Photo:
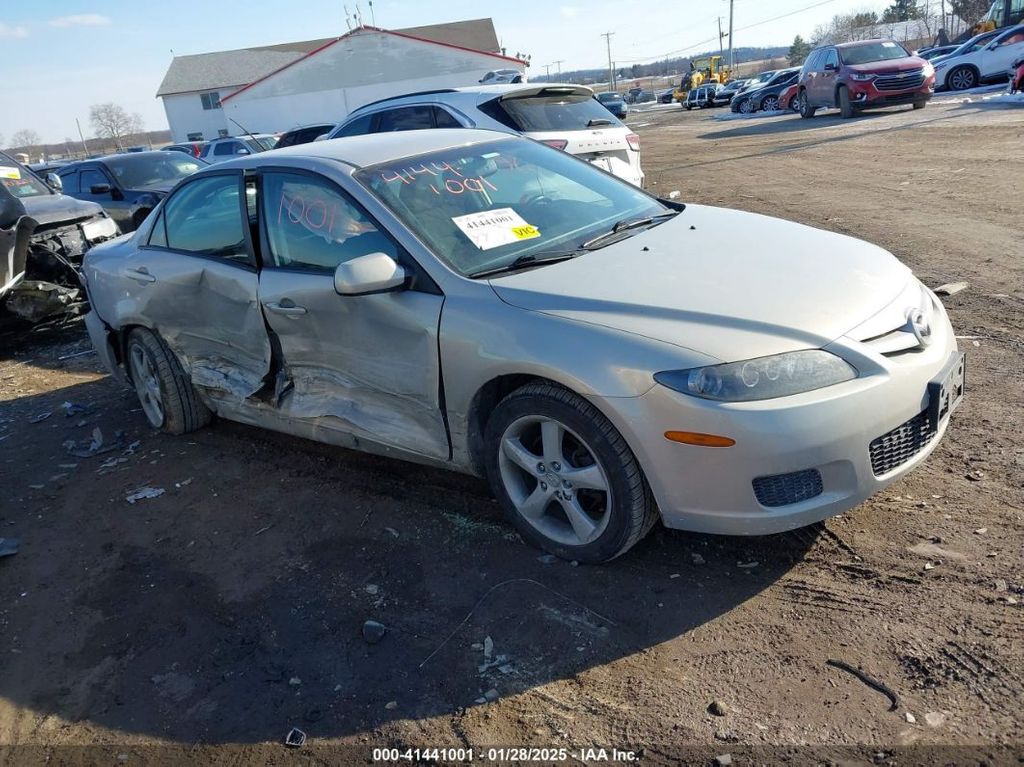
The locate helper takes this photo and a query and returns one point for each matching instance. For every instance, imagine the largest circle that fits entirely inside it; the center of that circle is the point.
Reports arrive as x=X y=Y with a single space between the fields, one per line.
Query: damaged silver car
x=43 y=237
x=496 y=306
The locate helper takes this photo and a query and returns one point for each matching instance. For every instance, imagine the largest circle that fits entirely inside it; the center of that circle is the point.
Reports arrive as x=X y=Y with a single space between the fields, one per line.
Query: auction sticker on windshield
x=6 y=172
x=494 y=228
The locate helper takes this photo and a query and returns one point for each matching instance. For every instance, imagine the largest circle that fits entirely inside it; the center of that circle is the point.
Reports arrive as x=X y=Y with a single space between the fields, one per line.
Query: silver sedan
x=492 y=305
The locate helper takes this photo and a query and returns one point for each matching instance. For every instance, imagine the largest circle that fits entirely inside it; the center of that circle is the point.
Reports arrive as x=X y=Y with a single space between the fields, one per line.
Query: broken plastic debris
x=145 y=492
x=295 y=738
x=488 y=647
x=40 y=417
x=73 y=409
x=9 y=546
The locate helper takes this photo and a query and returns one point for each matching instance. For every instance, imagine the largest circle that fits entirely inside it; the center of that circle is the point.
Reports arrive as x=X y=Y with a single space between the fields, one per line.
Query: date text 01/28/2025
x=504 y=754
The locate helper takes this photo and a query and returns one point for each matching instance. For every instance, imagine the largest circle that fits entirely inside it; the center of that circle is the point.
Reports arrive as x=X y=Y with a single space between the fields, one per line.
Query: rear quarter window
x=549 y=112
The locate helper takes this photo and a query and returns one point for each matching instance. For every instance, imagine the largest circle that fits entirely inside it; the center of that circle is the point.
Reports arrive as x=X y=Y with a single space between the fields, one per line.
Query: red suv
x=864 y=74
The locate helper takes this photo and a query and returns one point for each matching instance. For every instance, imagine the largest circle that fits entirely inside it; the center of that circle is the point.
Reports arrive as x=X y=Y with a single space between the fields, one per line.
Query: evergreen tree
x=798 y=51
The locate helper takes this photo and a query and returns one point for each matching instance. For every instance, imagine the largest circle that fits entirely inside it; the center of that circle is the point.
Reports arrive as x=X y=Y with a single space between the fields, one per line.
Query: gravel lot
x=213 y=618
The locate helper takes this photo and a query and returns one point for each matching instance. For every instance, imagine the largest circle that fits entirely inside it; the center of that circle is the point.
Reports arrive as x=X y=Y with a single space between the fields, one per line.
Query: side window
x=1014 y=39
x=70 y=182
x=225 y=148
x=358 y=127
x=158 y=237
x=406 y=118
x=444 y=119
x=205 y=217
x=832 y=58
x=205 y=151
x=91 y=177
x=312 y=225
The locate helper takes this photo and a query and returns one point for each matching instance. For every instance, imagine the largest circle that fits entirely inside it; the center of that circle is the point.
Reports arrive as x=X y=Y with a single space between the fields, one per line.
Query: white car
x=980 y=60
x=498 y=76
x=230 y=147
x=567 y=117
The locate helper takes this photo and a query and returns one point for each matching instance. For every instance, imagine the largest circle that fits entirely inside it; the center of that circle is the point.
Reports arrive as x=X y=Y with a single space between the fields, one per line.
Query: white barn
x=275 y=88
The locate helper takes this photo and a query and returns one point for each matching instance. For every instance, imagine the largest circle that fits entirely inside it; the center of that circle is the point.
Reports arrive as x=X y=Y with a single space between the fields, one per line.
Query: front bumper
x=865 y=95
x=711 y=490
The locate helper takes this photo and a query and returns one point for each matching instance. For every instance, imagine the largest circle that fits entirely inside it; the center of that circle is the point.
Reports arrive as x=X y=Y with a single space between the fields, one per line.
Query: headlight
x=99 y=229
x=928 y=70
x=862 y=78
x=763 y=378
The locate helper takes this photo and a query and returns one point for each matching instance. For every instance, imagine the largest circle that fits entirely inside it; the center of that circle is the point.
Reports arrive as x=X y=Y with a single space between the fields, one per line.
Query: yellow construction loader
x=702 y=71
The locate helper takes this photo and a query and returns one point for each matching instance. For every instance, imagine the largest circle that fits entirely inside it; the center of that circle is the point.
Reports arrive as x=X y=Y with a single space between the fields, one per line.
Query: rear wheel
x=843 y=99
x=565 y=477
x=962 y=78
x=806 y=110
x=167 y=396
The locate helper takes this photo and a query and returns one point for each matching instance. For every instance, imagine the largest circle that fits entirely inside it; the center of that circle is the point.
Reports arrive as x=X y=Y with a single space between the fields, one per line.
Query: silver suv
x=567 y=117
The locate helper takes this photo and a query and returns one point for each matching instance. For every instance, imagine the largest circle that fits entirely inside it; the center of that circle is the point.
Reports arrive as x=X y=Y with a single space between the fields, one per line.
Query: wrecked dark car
x=43 y=237
x=128 y=185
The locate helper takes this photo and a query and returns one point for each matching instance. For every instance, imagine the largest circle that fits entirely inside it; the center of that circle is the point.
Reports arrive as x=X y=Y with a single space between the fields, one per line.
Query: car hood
x=724 y=283
x=892 y=65
x=52 y=209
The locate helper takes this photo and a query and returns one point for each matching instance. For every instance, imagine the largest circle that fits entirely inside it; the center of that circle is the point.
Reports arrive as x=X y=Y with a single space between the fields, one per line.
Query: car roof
x=474 y=94
x=373 y=148
x=855 y=43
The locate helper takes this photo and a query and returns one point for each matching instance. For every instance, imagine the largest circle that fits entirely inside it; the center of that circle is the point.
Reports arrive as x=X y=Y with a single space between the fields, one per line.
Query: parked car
x=932 y=53
x=788 y=98
x=614 y=103
x=765 y=96
x=221 y=149
x=666 y=96
x=43 y=236
x=563 y=116
x=980 y=61
x=725 y=94
x=863 y=75
x=499 y=76
x=50 y=166
x=639 y=96
x=700 y=97
x=128 y=185
x=485 y=303
x=303 y=135
x=194 y=148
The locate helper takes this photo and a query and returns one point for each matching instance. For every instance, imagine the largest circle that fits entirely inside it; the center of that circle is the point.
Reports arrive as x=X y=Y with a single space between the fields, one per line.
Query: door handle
x=287 y=309
x=139 y=275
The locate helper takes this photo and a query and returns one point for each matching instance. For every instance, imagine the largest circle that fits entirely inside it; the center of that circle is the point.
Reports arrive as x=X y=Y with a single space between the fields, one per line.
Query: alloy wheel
x=961 y=79
x=554 y=480
x=147 y=385
x=770 y=104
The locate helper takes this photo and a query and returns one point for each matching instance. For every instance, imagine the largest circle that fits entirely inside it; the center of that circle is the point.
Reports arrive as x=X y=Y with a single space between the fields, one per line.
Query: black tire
x=633 y=510
x=846 y=110
x=962 y=78
x=183 y=411
x=920 y=104
x=806 y=110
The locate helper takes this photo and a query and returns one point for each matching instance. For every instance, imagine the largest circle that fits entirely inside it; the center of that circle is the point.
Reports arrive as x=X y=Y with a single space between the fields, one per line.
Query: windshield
x=974 y=44
x=19 y=180
x=867 y=53
x=604 y=98
x=484 y=206
x=152 y=169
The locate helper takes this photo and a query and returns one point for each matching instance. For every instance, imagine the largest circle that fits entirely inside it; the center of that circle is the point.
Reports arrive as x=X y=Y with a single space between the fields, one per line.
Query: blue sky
x=60 y=56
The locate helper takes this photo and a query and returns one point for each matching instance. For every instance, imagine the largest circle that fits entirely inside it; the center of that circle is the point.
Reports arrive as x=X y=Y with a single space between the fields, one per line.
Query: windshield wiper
x=598 y=121
x=527 y=262
x=625 y=225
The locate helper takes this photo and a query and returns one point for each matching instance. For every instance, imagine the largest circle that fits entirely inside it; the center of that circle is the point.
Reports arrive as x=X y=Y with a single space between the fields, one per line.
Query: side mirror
x=53 y=181
x=830 y=67
x=372 y=273
x=242 y=151
x=99 y=189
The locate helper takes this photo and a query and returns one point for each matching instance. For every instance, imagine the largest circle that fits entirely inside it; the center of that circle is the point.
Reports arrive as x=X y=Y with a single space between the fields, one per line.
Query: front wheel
x=962 y=79
x=564 y=475
x=770 y=104
x=747 y=107
x=845 y=107
x=166 y=394
x=920 y=104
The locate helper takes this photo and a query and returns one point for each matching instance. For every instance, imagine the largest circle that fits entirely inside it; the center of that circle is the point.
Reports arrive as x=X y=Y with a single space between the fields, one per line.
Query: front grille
x=900 y=81
x=898 y=446
x=785 y=489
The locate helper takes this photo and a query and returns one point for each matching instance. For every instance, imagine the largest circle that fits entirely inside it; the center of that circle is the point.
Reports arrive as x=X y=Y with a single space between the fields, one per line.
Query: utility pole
x=611 y=72
x=547 y=70
x=85 y=147
x=732 y=62
x=721 y=36
x=559 y=65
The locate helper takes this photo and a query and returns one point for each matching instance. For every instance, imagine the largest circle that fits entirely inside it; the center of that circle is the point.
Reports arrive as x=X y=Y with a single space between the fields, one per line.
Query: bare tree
x=111 y=121
x=25 y=139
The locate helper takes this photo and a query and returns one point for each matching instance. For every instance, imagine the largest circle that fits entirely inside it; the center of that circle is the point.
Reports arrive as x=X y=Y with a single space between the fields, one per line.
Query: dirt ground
x=208 y=621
